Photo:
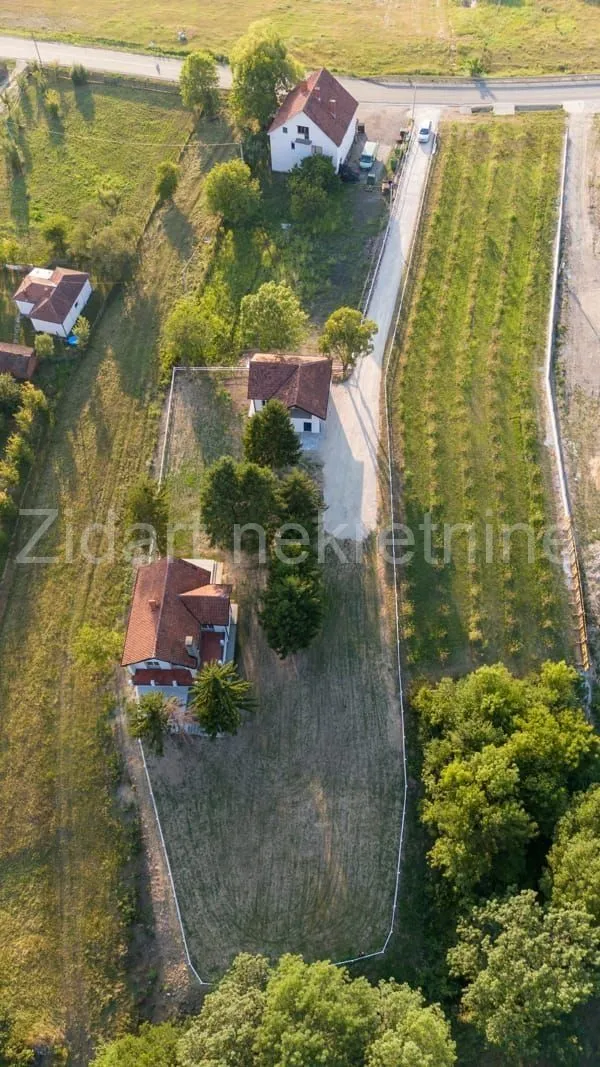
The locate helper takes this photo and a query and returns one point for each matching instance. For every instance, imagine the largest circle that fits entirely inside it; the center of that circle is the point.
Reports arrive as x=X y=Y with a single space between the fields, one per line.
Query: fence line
x=186 y=950
x=552 y=412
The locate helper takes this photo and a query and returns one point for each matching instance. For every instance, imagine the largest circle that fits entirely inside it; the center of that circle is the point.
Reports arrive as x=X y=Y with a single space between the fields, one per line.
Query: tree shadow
x=179 y=230
x=19 y=201
x=85 y=103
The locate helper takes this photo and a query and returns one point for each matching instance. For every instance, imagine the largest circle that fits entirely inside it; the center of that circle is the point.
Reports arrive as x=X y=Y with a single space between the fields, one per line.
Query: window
x=293 y=146
x=153 y=663
x=285 y=129
x=303 y=132
x=307 y=427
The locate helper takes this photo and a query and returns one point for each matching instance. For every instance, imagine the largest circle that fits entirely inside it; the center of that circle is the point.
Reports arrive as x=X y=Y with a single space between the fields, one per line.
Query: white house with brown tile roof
x=317 y=117
x=180 y=619
x=302 y=383
x=53 y=299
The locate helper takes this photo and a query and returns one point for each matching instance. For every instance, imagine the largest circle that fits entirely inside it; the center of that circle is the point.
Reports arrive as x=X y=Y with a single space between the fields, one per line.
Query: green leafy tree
x=573 y=876
x=44 y=345
x=199 y=83
x=219 y=698
x=147 y=505
x=525 y=970
x=10 y=395
x=13 y=1053
x=91 y=220
x=225 y=1031
x=55 y=230
x=113 y=249
x=167 y=177
x=272 y=320
x=152 y=1046
x=149 y=720
x=292 y=605
x=314 y=193
x=235 y=494
x=193 y=335
x=412 y=1033
x=270 y=439
x=299 y=501
x=79 y=74
x=96 y=648
x=263 y=73
x=82 y=330
x=233 y=193
x=347 y=336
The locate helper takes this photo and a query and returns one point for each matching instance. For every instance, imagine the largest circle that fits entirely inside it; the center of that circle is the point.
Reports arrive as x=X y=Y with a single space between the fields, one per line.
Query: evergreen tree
x=270 y=439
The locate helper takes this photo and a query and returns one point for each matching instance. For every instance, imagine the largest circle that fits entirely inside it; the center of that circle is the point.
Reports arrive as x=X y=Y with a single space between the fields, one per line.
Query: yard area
x=283 y=838
x=466 y=402
x=67 y=842
x=365 y=38
x=107 y=137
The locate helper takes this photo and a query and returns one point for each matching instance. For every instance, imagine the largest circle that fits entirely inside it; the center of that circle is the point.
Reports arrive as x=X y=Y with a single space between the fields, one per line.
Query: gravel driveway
x=350 y=447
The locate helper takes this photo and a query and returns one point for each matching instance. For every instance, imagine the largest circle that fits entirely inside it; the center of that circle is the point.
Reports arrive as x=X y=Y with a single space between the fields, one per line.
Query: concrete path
x=390 y=92
x=350 y=448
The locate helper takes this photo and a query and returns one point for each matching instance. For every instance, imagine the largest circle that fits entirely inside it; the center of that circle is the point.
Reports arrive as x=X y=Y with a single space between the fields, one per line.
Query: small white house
x=317 y=117
x=53 y=299
x=302 y=383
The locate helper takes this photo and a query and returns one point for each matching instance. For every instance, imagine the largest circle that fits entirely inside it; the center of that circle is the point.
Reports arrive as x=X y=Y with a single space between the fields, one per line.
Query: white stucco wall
x=284 y=157
x=298 y=424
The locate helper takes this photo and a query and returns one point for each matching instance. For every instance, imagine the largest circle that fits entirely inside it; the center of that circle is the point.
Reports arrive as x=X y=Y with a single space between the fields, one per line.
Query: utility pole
x=37 y=49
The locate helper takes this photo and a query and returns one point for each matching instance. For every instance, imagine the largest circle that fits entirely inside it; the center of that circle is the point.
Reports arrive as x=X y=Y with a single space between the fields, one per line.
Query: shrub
x=167 y=176
x=79 y=74
x=44 y=345
x=52 y=103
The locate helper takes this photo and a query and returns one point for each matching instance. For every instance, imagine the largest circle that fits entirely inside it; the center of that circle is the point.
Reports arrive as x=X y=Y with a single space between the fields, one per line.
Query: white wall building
x=302 y=383
x=317 y=117
x=53 y=299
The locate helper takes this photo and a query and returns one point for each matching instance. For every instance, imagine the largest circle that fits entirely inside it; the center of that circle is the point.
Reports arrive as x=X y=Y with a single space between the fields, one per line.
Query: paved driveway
x=350 y=448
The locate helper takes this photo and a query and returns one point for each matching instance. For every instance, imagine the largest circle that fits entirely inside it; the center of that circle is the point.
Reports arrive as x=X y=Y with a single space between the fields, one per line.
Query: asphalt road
x=583 y=91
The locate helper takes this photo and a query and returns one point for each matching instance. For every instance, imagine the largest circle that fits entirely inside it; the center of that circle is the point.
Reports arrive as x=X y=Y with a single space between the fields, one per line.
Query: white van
x=369 y=154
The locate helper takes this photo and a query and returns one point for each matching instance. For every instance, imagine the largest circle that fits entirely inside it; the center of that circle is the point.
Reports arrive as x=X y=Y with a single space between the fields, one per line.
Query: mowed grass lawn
x=65 y=899
x=105 y=135
x=283 y=838
x=366 y=37
x=467 y=400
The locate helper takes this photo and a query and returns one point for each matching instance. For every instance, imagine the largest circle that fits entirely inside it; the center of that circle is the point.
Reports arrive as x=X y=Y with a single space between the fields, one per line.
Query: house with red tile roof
x=181 y=617
x=53 y=299
x=302 y=383
x=317 y=117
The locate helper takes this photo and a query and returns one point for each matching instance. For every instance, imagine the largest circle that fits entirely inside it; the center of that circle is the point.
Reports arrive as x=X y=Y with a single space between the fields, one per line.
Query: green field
x=66 y=895
x=105 y=134
x=466 y=401
x=366 y=37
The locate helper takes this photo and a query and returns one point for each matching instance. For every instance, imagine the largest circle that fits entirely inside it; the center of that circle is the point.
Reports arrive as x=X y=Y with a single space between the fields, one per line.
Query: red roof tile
x=18 y=360
x=54 y=297
x=159 y=621
x=211 y=648
x=177 y=676
x=321 y=98
x=209 y=604
x=298 y=381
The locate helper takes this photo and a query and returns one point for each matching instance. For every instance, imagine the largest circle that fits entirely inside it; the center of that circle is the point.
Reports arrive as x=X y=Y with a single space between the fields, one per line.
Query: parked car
x=348 y=173
x=424 y=132
x=369 y=155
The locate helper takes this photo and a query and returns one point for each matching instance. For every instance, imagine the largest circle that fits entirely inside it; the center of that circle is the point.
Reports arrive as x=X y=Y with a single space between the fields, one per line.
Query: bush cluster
x=18 y=455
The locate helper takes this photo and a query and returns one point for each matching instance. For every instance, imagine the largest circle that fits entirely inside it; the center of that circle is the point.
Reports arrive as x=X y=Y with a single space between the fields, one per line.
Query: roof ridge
x=162 y=602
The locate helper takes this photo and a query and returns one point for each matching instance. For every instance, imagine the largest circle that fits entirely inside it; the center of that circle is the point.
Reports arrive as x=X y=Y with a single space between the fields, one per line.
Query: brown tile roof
x=53 y=298
x=298 y=381
x=211 y=648
x=160 y=620
x=18 y=360
x=209 y=604
x=321 y=98
x=147 y=675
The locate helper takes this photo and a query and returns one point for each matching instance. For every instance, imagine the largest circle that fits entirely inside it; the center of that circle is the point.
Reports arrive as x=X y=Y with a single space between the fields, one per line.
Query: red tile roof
x=211 y=648
x=52 y=298
x=160 y=620
x=177 y=676
x=209 y=604
x=298 y=381
x=321 y=98
x=18 y=360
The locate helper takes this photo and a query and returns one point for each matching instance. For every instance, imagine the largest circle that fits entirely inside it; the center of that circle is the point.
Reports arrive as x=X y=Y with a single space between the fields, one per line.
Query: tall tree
x=225 y=1031
x=270 y=439
x=219 y=698
x=149 y=720
x=55 y=231
x=573 y=875
x=412 y=1032
x=263 y=73
x=292 y=605
x=192 y=335
x=167 y=177
x=199 y=83
x=525 y=969
x=152 y=1046
x=233 y=193
x=299 y=501
x=347 y=336
x=235 y=494
x=272 y=320
x=147 y=505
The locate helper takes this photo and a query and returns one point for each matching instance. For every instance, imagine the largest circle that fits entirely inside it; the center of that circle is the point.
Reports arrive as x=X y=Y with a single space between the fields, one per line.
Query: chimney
x=191 y=647
x=332 y=107
x=153 y=604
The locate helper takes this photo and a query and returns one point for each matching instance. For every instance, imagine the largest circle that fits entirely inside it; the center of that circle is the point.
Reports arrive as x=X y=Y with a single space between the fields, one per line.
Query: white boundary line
x=170 y=873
